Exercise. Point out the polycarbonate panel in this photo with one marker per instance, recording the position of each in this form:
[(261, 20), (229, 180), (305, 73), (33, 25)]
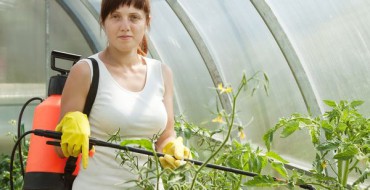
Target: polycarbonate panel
[(67, 38), (22, 62), (26, 39), (176, 49), (239, 41), (22, 41), (332, 39)]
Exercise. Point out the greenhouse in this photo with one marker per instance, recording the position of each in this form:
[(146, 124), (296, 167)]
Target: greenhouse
[(281, 87)]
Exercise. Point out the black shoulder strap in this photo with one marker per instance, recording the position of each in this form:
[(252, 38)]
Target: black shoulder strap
[(71, 161), (93, 88)]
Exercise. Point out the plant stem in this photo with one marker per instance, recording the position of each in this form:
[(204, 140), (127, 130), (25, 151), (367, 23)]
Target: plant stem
[(230, 126), (345, 175), (157, 168), (239, 182), (211, 157), (340, 173)]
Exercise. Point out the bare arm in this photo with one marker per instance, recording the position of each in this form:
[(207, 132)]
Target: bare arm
[(75, 92), (169, 132)]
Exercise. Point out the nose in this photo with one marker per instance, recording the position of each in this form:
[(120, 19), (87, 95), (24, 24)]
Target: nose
[(125, 25)]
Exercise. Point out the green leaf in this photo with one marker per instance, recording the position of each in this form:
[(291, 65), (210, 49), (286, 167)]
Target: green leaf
[(329, 145), (279, 167), (255, 164), (275, 156), (328, 129), (356, 103), (147, 144), (326, 126), (268, 137), (348, 153), (314, 135), (342, 127), (289, 129), (330, 103), (187, 133)]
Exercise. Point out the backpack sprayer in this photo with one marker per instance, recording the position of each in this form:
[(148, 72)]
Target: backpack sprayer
[(45, 169), (43, 165)]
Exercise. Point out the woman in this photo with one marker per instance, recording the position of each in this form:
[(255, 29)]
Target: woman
[(135, 96)]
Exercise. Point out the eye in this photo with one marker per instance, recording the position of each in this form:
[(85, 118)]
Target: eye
[(115, 16), (135, 18)]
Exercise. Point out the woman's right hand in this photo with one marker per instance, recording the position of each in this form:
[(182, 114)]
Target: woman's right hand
[(75, 130)]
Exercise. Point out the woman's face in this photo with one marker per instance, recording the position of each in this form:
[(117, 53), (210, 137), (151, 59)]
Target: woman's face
[(125, 28)]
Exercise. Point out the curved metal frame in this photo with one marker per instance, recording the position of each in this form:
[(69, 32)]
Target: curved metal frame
[(203, 50), (83, 26), (305, 86)]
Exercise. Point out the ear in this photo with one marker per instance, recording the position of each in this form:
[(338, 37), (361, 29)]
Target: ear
[(148, 21)]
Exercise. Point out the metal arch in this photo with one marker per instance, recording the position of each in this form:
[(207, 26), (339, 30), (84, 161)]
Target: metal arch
[(203, 50), (91, 8), (82, 25), (307, 90)]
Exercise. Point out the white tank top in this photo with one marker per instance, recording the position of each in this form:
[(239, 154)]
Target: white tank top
[(136, 114)]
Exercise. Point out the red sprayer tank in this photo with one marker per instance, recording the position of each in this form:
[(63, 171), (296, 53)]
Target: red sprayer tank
[(44, 169)]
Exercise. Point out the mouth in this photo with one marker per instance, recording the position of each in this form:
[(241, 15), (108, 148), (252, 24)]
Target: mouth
[(125, 37)]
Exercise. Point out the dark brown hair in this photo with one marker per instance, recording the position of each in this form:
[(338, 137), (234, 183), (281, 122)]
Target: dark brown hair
[(109, 6)]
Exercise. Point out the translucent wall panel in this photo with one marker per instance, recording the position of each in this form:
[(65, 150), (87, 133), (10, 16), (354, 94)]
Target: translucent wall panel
[(176, 48), (29, 31), (332, 39), (240, 41), (22, 30), (22, 61), (67, 38)]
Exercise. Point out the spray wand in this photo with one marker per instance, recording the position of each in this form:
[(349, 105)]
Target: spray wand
[(95, 142)]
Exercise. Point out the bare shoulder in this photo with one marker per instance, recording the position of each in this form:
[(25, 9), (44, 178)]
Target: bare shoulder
[(81, 70), (79, 78), (166, 71), (76, 88)]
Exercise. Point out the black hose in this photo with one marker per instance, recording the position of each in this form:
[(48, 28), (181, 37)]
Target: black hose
[(12, 157), (19, 130)]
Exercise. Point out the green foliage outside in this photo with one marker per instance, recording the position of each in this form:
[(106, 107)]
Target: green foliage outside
[(342, 141), (5, 165)]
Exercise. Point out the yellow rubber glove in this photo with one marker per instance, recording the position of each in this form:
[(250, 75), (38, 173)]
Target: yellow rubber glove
[(175, 152), (75, 130)]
